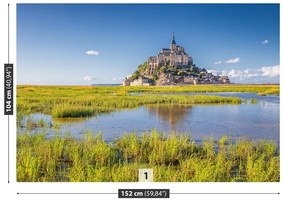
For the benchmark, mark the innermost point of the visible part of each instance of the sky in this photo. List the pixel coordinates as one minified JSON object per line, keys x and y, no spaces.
{"x":83,"y":44}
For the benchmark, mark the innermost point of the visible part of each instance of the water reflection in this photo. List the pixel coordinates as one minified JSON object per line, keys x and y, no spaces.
{"x":72,"y":120}
{"x":172,"y":114}
{"x":257,"y":121}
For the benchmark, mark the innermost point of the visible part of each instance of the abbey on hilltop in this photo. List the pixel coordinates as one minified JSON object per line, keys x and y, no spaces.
{"x":172,"y":66}
{"x":175,"y":55}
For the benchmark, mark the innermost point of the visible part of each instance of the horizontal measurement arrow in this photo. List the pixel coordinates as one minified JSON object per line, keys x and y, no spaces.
{"x":230,"y":193}
{"x":64,"y":193}
{"x":170,"y":193}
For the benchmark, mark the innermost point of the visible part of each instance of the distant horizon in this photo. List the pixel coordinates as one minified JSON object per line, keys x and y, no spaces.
{"x":104,"y":43}
{"x":170,"y":85}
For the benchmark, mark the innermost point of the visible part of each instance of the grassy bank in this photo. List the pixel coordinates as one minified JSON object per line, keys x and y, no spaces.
{"x":80,"y":101}
{"x":87,"y":101}
{"x":174,"y":159}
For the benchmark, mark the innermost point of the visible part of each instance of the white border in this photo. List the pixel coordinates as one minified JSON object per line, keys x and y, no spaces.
{"x":9,"y":191}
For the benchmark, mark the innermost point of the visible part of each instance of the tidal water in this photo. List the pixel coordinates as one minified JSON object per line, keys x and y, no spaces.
{"x":255,"y":121}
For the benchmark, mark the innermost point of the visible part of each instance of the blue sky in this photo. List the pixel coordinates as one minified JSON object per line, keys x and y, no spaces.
{"x":81,"y":44}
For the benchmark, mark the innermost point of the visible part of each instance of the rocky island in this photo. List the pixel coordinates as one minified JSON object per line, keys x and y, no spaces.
{"x":172,"y":66}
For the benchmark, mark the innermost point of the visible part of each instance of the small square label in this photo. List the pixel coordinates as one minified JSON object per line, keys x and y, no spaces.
{"x":145,"y":175}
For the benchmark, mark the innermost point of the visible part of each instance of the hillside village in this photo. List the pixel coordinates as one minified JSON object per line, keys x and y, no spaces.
{"x":172,"y":66}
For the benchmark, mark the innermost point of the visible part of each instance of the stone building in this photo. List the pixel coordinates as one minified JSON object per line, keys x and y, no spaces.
{"x":175,"y":55}
{"x":224,"y":79}
{"x":139,"y":82}
{"x":189,"y":79}
{"x":126,"y":82}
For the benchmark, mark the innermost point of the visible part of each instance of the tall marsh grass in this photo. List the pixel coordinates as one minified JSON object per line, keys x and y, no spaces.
{"x":174,"y":158}
{"x":61,"y":102}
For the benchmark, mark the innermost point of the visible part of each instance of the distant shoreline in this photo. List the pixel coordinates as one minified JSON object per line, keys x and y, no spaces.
{"x":106,"y":84}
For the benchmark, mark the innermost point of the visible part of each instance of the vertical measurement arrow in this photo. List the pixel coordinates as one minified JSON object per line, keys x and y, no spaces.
{"x":8,"y":33}
{"x":8,"y":103}
{"x":6,"y":93}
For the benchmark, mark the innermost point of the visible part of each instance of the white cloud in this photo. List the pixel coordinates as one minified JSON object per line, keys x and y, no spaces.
{"x":261,"y":75}
{"x":218,"y":62}
{"x":92,"y":52}
{"x":232,"y":61}
{"x":235,"y":73}
{"x":213,"y":71}
{"x":265,"y":42}
{"x":271,"y":71}
{"x":251,"y":73}
{"x":88,"y":78}
{"x":247,"y":73}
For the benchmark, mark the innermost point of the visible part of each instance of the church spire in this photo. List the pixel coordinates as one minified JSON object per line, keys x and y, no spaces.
{"x":173,"y":39}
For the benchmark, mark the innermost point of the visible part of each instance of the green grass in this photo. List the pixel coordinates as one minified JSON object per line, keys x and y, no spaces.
{"x":81,"y":101}
{"x":253,"y":101}
{"x":273,"y":91}
{"x":176,"y":158}
{"x":61,"y":102}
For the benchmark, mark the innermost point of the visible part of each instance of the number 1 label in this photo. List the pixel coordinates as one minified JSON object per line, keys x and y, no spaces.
{"x":145,"y":175}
